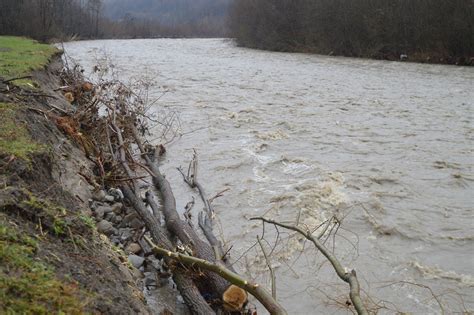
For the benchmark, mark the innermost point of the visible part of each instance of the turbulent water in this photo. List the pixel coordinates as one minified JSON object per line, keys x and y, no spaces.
{"x":385,"y":147}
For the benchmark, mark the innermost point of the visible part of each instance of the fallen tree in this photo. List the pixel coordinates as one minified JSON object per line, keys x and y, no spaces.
{"x":114,"y":124}
{"x":117,"y":138}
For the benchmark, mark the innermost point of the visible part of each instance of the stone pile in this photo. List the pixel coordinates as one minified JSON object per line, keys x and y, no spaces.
{"x":125,"y":229}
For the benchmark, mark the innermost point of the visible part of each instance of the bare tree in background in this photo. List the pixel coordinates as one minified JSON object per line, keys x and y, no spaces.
{"x":429,"y":30}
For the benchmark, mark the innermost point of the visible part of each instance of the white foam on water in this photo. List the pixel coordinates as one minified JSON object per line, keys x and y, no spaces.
{"x":434,"y":272}
{"x":272,"y":135}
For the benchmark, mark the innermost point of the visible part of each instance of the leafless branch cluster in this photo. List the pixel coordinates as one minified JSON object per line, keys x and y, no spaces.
{"x":112,"y":122}
{"x":115,"y":119}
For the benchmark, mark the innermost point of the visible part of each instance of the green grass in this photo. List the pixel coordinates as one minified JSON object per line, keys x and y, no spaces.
{"x":28,"y":286}
{"x":51,"y":212}
{"x":14,"y":137}
{"x":87,"y":220}
{"x":20,"y":56}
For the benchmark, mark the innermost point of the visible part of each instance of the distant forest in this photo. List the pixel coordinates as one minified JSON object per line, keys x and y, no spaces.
{"x":46,"y":19}
{"x":422,"y":30}
{"x":185,"y":17}
{"x":63,"y":19}
{"x":419,"y":30}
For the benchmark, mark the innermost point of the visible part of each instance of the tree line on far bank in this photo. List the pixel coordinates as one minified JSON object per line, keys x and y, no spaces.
{"x":423,"y":30}
{"x":63,"y":19}
{"x":46,"y":19}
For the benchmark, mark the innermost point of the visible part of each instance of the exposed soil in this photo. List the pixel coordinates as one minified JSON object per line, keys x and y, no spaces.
{"x":47,"y":198}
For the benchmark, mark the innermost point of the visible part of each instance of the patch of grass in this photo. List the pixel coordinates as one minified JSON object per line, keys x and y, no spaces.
{"x":14,"y":137}
{"x":51,"y":213}
{"x":121,"y":256}
{"x":59,"y":221}
{"x":28,"y":286}
{"x":20,"y":56}
{"x":87,"y":220}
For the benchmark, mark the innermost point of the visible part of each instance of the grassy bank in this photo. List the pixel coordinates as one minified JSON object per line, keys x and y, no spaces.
{"x":28,"y":283}
{"x":20,"y":56}
{"x":52,"y":258}
{"x":15,"y":139}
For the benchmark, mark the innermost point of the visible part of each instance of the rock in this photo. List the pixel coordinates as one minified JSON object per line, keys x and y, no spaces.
{"x":99,"y":195}
{"x":110,"y":217}
{"x":93,"y":205}
{"x":128,"y":277}
{"x":105,"y":227}
{"x":125,"y":234}
{"x":137,"y":274}
{"x":150,"y":279}
{"x":118,"y":219}
{"x":156,"y":263}
{"x":115,"y":240}
{"x":136,"y":261}
{"x":129,"y":218}
{"x":99,"y":213}
{"x":137,"y":224}
{"x":117,"y":207}
{"x":133,"y":248}
{"x":106,"y":209}
{"x":109,"y":198}
{"x":145,"y":247}
{"x":116,"y":193}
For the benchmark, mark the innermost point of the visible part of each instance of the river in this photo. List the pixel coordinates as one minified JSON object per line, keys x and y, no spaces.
{"x":387,"y":147}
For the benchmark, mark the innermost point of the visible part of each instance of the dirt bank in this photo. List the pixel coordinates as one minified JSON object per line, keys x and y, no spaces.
{"x":52,"y":256}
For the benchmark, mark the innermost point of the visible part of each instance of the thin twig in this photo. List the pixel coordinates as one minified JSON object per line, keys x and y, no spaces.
{"x":269,"y":265}
{"x":18,"y":78}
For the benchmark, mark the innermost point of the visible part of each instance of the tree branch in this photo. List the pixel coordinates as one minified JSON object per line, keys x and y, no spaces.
{"x":349,"y":277}
{"x":262,"y":295}
{"x":269,"y":265}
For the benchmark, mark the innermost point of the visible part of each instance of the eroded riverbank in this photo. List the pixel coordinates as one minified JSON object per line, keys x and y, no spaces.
{"x":66,"y":244}
{"x":52,"y":258}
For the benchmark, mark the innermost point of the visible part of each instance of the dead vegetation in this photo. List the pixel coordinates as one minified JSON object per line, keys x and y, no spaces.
{"x":112,"y":122}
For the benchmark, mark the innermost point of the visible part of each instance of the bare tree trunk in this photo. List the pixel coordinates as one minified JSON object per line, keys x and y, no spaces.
{"x":186,"y":286}
{"x":213,"y":285}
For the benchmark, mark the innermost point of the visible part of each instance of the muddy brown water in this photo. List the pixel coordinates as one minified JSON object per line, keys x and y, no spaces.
{"x":385,"y":146}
